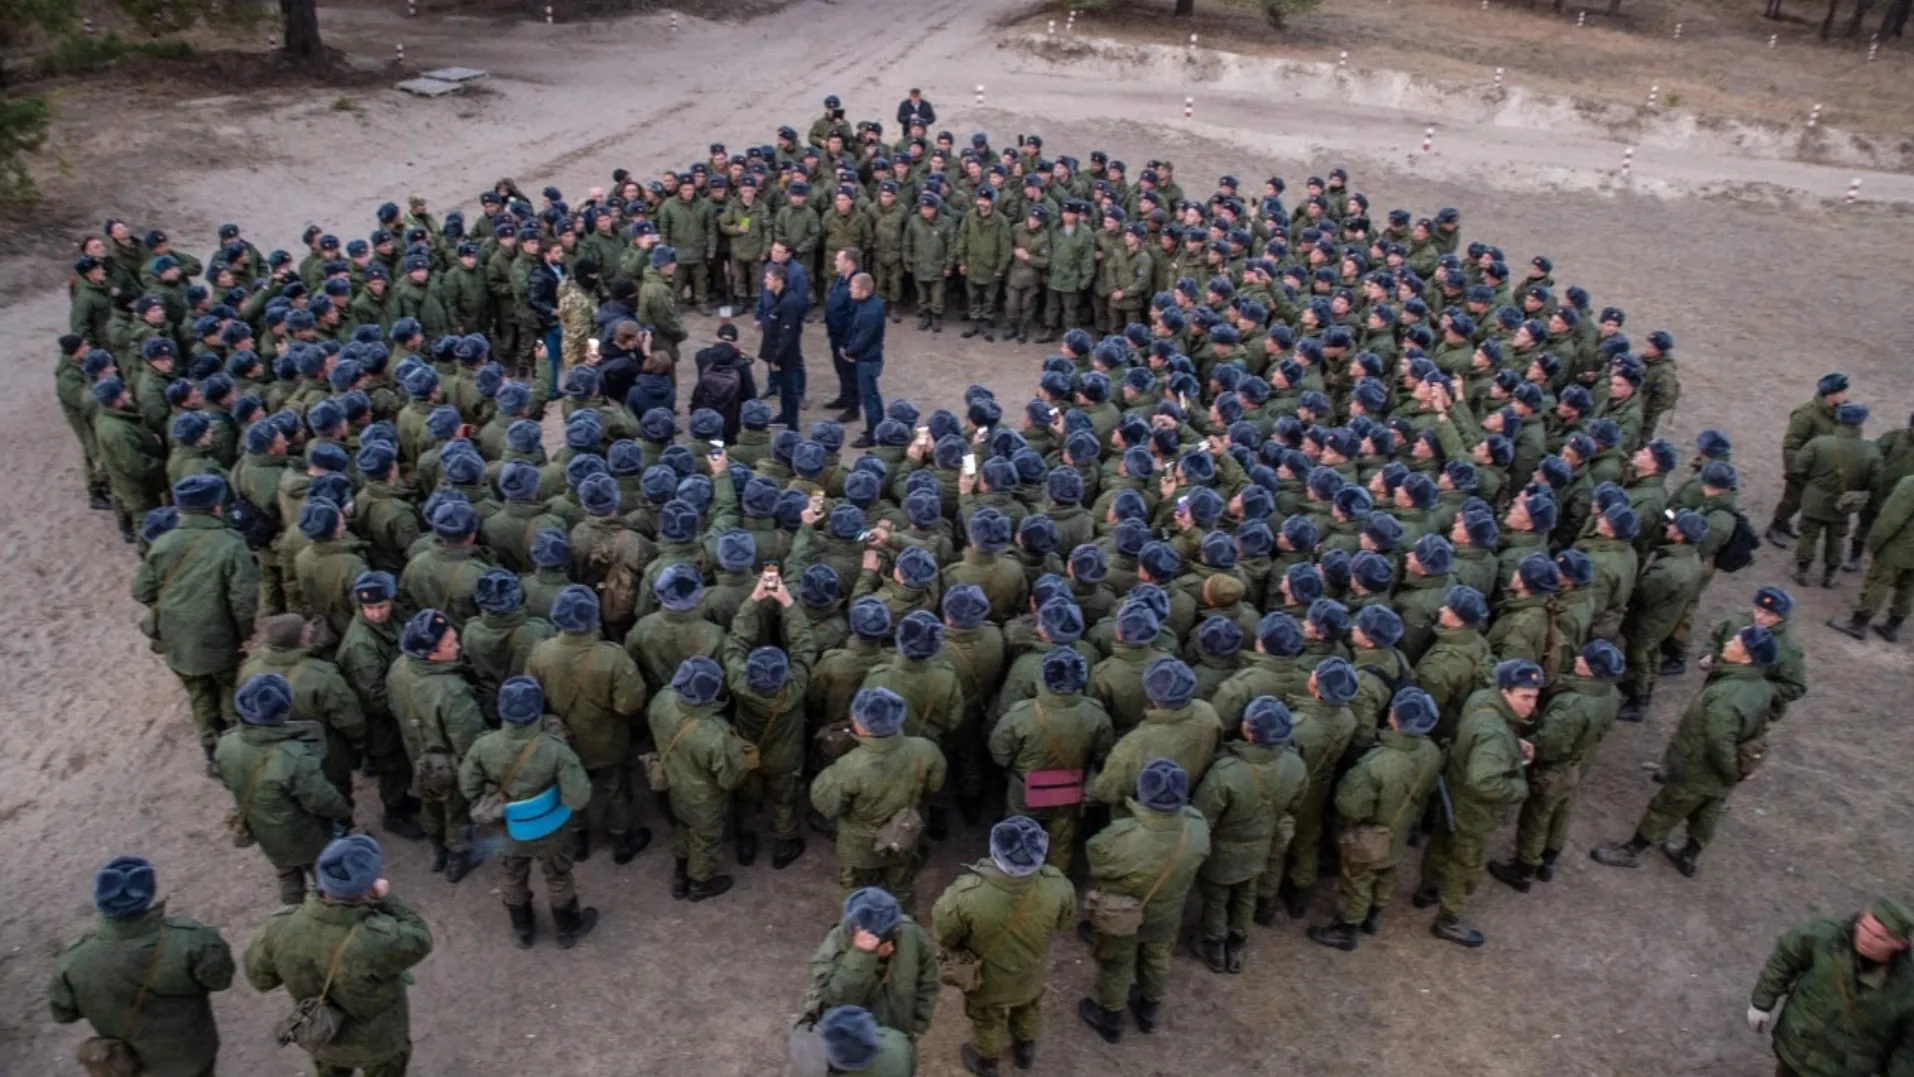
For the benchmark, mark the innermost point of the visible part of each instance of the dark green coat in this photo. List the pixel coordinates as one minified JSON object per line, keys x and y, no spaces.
{"x":434,"y":706}
{"x":1129,"y":856}
{"x":1187,"y":735}
{"x":495,"y":648}
{"x":1457,"y":662}
{"x":98,"y":977}
{"x":134,"y":459}
{"x":874,"y":781}
{"x":1670,"y":582}
{"x":975,"y":914}
{"x":300,"y":943}
{"x":661,"y":641}
{"x":292,"y":807}
{"x":443,"y":577}
{"x":1484,"y":771}
{"x":900,"y":991}
{"x":595,"y":687}
{"x":1730,"y":709}
{"x":1832,"y":465}
{"x":702,"y":763}
{"x":933,"y":695}
{"x":1571,"y":723}
{"x":319,"y":694}
{"x":1805,"y":423}
{"x":549,"y":763}
{"x":1048,"y":732}
{"x":1835,"y":1023}
{"x":1388,"y":784}
{"x":1891,"y":538}
{"x":1245,"y":797}
{"x":203,"y":586}
{"x":775,"y":723}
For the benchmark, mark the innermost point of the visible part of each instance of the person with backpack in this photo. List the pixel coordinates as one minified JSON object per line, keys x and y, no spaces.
{"x":724,"y":380}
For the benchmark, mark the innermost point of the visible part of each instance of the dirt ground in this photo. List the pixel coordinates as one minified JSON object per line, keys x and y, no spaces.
{"x":1601,"y":972}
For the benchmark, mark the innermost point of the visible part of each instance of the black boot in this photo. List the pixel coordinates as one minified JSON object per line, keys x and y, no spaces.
{"x":1211,"y":951}
{"x":848,"y":416}
{"x":1686,"y":858}
{"x":816,"y":821}
{"x":971,"y":328}
{"x":403,"y":826}
{"x":1673,"y":667}
{"x":1105,"y":1023}
{"x":785,"y":851}
{"x":1023,"y":1053}
{"x":1144,"y":1011}
{"x":976,"y":1063}
{"x":747,"y":848}
{"x":1545,"y":871}
{"x":1852,"y":564}
{"x":1046,"y":336}
{"x":97,"y":500}
{"x":1233,"y":948}
{"x":626,"y":847}
{"x":1338,"y":935}
{"x":1633,"y":709}
{"x":1372,"y":923}
{"x":523,"y":925}
{"x":572,"y":922}
{"x":1890,"y":630}
{"x":126,"y":530}
{"x":581,"y":845}
{"x":1626,"y":855}
{"x":971,"y":807}
{"x":1451,"y":929}
{"x":990,"y":331}
{"x":1265,"y":912}
{"x":937,"y":823}
{"x":1425,"y":896}
{"x":1799,"y":575}
{"x":1777,"y":535}
{"x":439,"y":856}
{"x":923,"y":320}
{"x":709,"y":888}
{"x":458,"y":864}
{"x":680,"y":878}
{"x":1855,"y":626}
{"x":1827,"y":578}
{"x":936,"y":323}
{"x":1295,"y":900}
{"x":1513,"y":872}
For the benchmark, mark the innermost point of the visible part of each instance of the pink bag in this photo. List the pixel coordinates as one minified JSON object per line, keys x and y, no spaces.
{"x":1053,"y":788}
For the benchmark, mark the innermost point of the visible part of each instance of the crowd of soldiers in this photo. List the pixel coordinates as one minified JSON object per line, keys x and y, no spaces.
{"x":1319,"y":538}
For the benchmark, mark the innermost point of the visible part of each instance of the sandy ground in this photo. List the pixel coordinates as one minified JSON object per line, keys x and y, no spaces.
{"x":1601,"y":972}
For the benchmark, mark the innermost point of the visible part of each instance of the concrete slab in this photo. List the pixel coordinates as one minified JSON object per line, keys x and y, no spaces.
{"x":428,"y":87}
{"x":455,"y":74}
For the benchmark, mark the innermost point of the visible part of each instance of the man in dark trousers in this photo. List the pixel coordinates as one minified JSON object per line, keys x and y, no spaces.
{"x":796,"y":280}
{"x":724,"y":380}
{"x":783,"y":347}
{"x":837,"y":326}
{"x":915,"y":109}
{"x":864,"y":351}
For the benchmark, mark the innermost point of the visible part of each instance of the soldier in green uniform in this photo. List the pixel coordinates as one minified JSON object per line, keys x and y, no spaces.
{"x":444,"y":575}
{"x":1057,"y":732}
{"x":1837,"y":473}
{"x":929,"y":243}
{"x":767,"y":686}
{"x":143,"y":979}
{"x":878,"y":958}
{"x":700,"y":761}
{"x":1030,"y":248}
{"x":1569,"y":727}
{"x":320,"y":695}
{"x":1890,"y":539}
{"x":931,"y":690}
{"x":132,"y":455}
{"x":1002,"y":912}
{"x":496,"y":644}
{"x":1847,"y":984}
{"x":1175,"y":726}
{"x":1247,"y":797}
{"x":73,"y":375}
{"x":849,"y":1040}
{"x":1071,"y":271}
{"x":874,"y":794}
{"x":439,"y":719}
{"x":1481,"y":778}
{"x":366,"y":652}
{"x":1719,"y":744}
{"x":1378,"y":799}
{"x":351,"y":943}
{"x":284,"y":802}
{"x":520,"y":761}
{"x":1670,"y":583}
{"x":202,"y":587}
{"x":1324,"y":726}
{"x":1805,"y":423}
{"x":1147,"y":861}
{"x":982,"y":255}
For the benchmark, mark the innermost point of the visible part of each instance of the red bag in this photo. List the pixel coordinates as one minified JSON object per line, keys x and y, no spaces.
{"x":1053,"y":788}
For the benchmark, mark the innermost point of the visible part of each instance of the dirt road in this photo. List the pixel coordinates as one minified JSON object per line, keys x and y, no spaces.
{"x":1600,"y":972}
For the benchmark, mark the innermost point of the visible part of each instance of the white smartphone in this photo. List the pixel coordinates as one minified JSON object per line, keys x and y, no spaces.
{"x":970,"y":463}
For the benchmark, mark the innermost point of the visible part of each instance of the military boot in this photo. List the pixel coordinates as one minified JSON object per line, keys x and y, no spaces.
{"x":98,"y":500}
{"x":126,"y":530}
{"x":1627,"y":855}
{"x":1800,"y":574}
{"x":1339,"y":935}
{"x":1265,"y":912}
{"x":1855,"y":626}
{"x":680,"y":878}
{"x":1105,"y":1023}
{"x":401,"y":825}
{"x":1827,"y":578}
{"x":709,"y":888}
{"x":458,"y":864}
{"x":1450,"y":928}
{"x":581,"y":845}
{"x":1023,"y":1053}
{"x":1049,"y":334}
{"x":523,"y":924}
{"x":747,"y":848}
{"x":936,"y":323}
{"x":785,"y":851}
{"x":1144,"y":1010}
{"x":1633,"y":709}
{"x":1673,"y":667}
{"x":1546,"y":869}
{"x":1686,"y":856}
{"x":1425,"y":896}
{"x":440,"y":854}
{"x":1295,"y":900}
{"x":923,"y":320}
{"x":976,"y":1063}
{"x":1779,"y":535}
{"x":1857,"y":546}
{"x":627,"y":846}
{"x":1233,"y":948}
{"x":1890,"y":630}
{"x":816,"y":821}
{"x":572,"y":922}
{"x":971,"y":328}
{"x":1211,"y":951}
{"x":1513,"y":872}
{"x":990,"y":330}
{"x":1372,"y":923}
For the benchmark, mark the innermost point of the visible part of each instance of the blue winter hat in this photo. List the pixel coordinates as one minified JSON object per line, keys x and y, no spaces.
{"x":1851,"y":414}
{"x":576,"y":610}
{"x":989,"y":530}
{"x":919,"y":635}
{"x":879,"y":710}
{"x":766,"y":669}
{"x":551,"y":549}
{"x":870,"y":619}
{"x":520,"y":701}
{"x":872,"y":909}
{"x":1137,"y":624}
{"x":1468,"y":605}
{"x":1374,"y":571}
{"x":1169,"y":682}
{"x":1514,"y":673}
{"x":679,"y":587}
{"x":1762,"y":647}
{"x":849,"y":1033}
{"x":1604,"y":660}
{"x":677,"y":521}
{"x":737,"y":551}
{"x":498,"y":591}
{"x":1414,"y":710}
{"x":1831,"y":384}
{"x":1270,"y":723}
{"x":349,"y":867}
{"x":1542,"y":511}
{"x":199,"y":493}
{"x":518,"y":481}
{"x":1691,"y":525}
{"x":1775,"y":600}
{"x":454,"y":520}
{"x":916,"y":567}
{"x":1576,"y":567}
{"x":1435,"y":554}
{"x":1065,"y":672}
{"x":1163,"y":786}
{"x":697,"y":680}
{"x":755,"y":415}
{"x":158,"y":522}
{"x":965,"y":606}
{"x":265,"y":699}
{"x":1539,"y":574}
{"x":318,"y":518}
{"x":1220,"y":636}
{"x":1018,"y":846}
{"x":818,"y":586}
{"x":1279,"y":634}
{"x":124,"y":887}
{"x":1336,"y":680}
{"x":1382,"y":625}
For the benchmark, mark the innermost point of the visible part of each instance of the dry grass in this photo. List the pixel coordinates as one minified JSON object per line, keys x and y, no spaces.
{"x":1721,"y":66}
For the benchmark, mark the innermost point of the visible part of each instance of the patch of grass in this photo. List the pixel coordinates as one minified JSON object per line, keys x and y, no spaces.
{"x":1674,"y":99}
{"x":345,"y":104}
{"x":76,"y":55}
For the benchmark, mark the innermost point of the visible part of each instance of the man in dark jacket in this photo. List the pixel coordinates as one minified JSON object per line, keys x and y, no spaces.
{"x":541,"y":294}
{"x":837,"y":326}
{"x":783,"y":347}
{"x":913,"y":109}
{"x":864,"y":350}
{"x":720,"y":357}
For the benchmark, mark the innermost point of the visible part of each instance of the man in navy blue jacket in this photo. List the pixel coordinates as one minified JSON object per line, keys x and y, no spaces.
{"x":864,"y":350}
{"x":837,"y":327}
{"x":798,"y":281}
{"x":783,"y":347}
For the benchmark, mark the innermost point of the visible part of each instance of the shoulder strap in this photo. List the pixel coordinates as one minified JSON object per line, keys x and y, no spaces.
{"x":152,"y":973}
{"x":1050,"y":741}
{"x":683,"y":728}
{"x":338,"y":955}
{"x":504,"y":784}
{"x":1163,"y":876}
{"x":167,"y":580}
{"x":1011,"y":921}
{"x":252,"y":785}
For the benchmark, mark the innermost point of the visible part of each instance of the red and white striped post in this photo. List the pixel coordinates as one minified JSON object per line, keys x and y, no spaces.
{"x":1428,"y":138}
{"x":1189,"y":107}
{"x":1854,"y":191}
{"x":1052,"y":31}
{"x":674,"y":22}
{"x":398,"y":50}
{"x":1192,"y":42}
{"x":1772,"y":39}
{"x":1628,"y":161}
{"x":1814,"y":117}
{"x":1677,"y":31}
{"x":1581,"y":18}
{"x":980,"y":94}
{"x":1873,"y":47}
{"x":1342,"y":62}
{"x":1498,"y":78}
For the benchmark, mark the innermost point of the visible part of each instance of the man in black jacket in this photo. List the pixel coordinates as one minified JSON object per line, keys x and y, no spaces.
{"x":913,"y":109}
{"x":783,"y":347}
{"x":864,"y":352}
{"x":541,"y":294}
{"x":724,"y":380}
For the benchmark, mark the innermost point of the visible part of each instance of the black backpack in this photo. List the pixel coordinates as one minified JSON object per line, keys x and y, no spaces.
{"x":254,"y":525}
{"x":1738,"y":552}
{"x":718,"y":388}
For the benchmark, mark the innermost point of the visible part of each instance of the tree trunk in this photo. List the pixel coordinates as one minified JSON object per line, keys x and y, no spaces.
{"x":1185,"y":7}
{"x":302,"y":30}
